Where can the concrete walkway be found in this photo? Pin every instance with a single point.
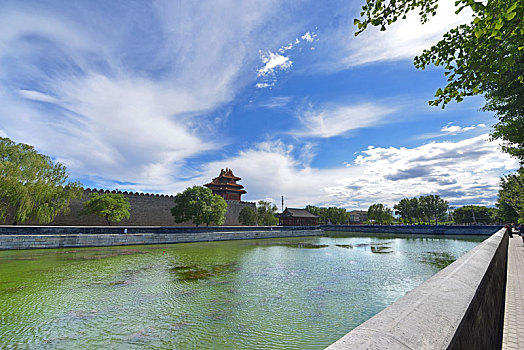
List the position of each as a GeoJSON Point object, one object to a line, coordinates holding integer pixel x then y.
{"type": "Point", "coordinates": [513, 335]}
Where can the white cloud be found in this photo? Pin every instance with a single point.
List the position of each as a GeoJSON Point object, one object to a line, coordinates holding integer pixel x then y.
{"type": "Point", "coordinates": [273, 62]}
{"type": "Point", "coordinates": [335, 121]}
{"type": "Point", "coordinates": [264, 85]}
{"type": "Point", "coordinates": [309, 37]}
{"type": "Point", "coordinates": [464, 172]}
{"type": "Point", "coordinates": [276, 102]}
{"type": "Point", "coordinates": [128, 129]}
{"type": "Point", "coordinates": [405, 38]}
{"type": "Point", "coordinates": [450, 129]}
{"type": "Point", "coordinates": [455, 129]}
{"type": "Point", "coordinates": [286, 48]}
{"type": "Point", "coordinates": [37, 96]}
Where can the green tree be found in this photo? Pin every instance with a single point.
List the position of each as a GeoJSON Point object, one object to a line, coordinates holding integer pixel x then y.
{"type": "Point", "coordinates": [511, 193]}
{"type": "Point", "coordinates": [247, 216]}
{"type": "Point", "coordinates": [199, 205]}
{"type": "Point", "coordinates": [473, 214]}
{"type": "Point", "coordinates": [433, 207]}
{"type": "Point", "coordinates": [114, 207]}
{"type": "Point", "coordinates": [407, 209]}
{"type": "Point", "coordinates": [331, 215]}
{"type": "Point", "coordinates": [266, 213]}
{"type": "Point", "coordinates": [337, 216]}
{"type": "Point", "coordinates": [417, 210]}
{"type": "Point", "coordinates": [320, 211]}
{"type": "Point", "coordinates": [505, 212]}
{"type": "Point", "coordinates": [484, 56]}
{"type": "Point", "coordinates": [216, 213]}
{"type": "Point", "coordinates": [379, 213]}
{"type": "Point", "coordinates": [32, 187]}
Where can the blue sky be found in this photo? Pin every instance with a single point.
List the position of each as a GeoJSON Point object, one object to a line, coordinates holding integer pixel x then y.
{"type": "Point", "coordinates": [158, 96]}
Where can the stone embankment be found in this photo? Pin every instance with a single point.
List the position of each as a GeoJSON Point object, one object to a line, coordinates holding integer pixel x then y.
{"type": "Point", "coordinates": [36, 237]}
{"type": "Point", "coordinates": [33, 237]}
{"type": "Point", "coordinates": [461, 307]}
{"type": "Point", "coordinates": [417, 229]}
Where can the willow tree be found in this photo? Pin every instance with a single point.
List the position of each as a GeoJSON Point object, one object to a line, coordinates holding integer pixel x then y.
{"type": "Point", "coordinates": [484, 56]}
{"type": "Point", "coordinates": [32, 187]}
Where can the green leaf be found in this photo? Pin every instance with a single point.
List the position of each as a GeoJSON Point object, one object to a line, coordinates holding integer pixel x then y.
{"type": "Point", "coordinates": [513, 7]}
{"type": "Point", "coordinates": [510, 16]}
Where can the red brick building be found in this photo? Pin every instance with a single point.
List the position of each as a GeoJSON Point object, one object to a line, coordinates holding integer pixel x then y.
{"type": "Point", "coordinates": [225, 185]}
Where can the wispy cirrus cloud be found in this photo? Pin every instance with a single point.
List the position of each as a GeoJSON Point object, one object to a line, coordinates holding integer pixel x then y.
{"type": "Point", "coordinates": [126, 99]}
{"type": "Point", "coordinates": [334, 121]}
{"type": "Point", "coordinates": [37, 96]}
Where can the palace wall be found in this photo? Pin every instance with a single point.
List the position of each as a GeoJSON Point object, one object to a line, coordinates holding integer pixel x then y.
{"type": "Point", "coordinates": [146, 210]}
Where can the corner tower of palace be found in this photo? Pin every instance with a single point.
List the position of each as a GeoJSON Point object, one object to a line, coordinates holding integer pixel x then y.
{"type": "Point", "coordinates": [225, 185]}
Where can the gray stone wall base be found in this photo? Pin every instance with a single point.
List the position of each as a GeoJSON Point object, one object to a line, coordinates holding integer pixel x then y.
{"type": "Point", "coordinates": [14, 241]}
{"type": "Point", "coordinates": [417, 229]}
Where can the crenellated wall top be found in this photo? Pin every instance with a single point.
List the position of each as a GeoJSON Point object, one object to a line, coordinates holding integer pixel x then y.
{"type": "Point", "coordinates": [129, 193]}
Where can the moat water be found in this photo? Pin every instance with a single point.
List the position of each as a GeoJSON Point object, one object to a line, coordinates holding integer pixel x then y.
{"type": "Point", "coordinates": [299, 293]}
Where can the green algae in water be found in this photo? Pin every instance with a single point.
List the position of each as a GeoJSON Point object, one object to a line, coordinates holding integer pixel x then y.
{"type": "Point", "coordinates": [106, 255]}
{"type": "Point", "coordinates": [439, 259]}
{"type": "Point", "coordinates": [266, 294]}
{"type": "Point", "coordinates": [347, 246]}
{"type": "Point", "coordinates": [194, 272]}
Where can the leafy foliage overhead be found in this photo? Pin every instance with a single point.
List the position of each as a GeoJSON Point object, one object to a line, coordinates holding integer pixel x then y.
{"type": "Point", "coordinates": [485, 56]}
{"type": "Point", "coordinates": [114, 207]}
{"type": "Point", "coordinates": [32, 187]}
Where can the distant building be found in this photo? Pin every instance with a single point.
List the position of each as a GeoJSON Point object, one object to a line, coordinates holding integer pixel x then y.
{"type": "Point", "coordinates": [225, 185]}
{"type": "Point", "coordinates": [297, 217]}
{"type": "Point", "coordinates": [357, 216]}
